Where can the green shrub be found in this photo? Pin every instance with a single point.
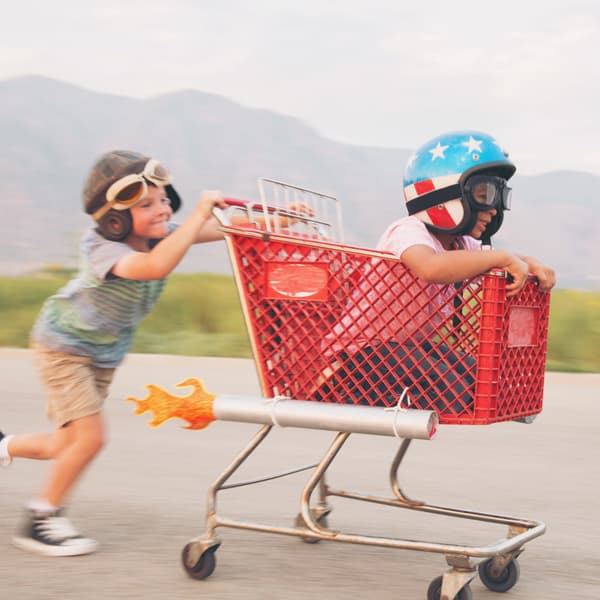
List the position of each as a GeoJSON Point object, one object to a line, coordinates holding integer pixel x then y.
{"type": "Point", "coordinates": [20, 302]}
{"type": "Point", "coordinates": [574, 331]}
{"type": "Point", "coordinates": [200, 315]}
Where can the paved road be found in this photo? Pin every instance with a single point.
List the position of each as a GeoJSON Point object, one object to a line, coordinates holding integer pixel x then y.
{"type": "Point", "coordinates": [144, 498]}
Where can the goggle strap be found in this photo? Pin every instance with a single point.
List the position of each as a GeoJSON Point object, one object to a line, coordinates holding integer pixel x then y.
{"type": "Point", "coordinates": [102, 211]}
{"type": "Point", "coordinates": [433, 198]}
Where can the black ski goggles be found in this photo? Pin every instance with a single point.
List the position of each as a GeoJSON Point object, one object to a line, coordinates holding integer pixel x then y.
{"type": "Point", "coordinates": [485, 192]}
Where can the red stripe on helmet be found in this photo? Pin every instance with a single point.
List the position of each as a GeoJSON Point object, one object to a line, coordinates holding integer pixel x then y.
{"type": "Point", "coordinates": [440, 217]}
{"type": "Point", "coordinates": [422, 187]}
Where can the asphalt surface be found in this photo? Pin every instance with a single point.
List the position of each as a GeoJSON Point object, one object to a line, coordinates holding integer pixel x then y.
{"type": "Point", "coordinates": [144, 498]}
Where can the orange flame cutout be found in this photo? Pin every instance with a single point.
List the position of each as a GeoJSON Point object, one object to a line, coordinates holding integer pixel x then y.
{"type": "Point", "coordinates": [195, 408]}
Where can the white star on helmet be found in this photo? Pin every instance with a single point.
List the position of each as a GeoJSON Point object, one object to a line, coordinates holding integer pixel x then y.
{"type": "Point", "coordinates": [472, 144]}
{"type": "Point", "coordinates": [438, 151]}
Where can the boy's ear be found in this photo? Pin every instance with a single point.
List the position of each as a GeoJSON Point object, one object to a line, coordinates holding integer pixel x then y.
{"type": "Point", "coordinates": [116, 225]}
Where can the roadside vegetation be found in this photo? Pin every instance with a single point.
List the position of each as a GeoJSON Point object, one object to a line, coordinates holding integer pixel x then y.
{"type": "Point", "coordinates": [200, 315]}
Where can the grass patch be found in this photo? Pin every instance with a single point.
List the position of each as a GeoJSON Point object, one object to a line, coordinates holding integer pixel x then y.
{"type": "Point", "coordinates": [574, 331]}
{"type": "Point", "coordinates": [200, 315]}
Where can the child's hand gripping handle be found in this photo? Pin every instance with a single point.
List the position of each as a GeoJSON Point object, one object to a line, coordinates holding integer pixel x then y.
{"type": "Point", "coordinates": [285, 215]}
{"type": "Point", "coordinates": [220, 212]}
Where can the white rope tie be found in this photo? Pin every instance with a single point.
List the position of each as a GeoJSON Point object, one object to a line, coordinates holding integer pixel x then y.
{"type": "Point", "coordinates": [397, 409]}
{"type": "Point", "coordinates": [273, 402]}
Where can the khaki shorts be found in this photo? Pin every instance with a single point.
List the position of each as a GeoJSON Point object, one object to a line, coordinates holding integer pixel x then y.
{"type": "Point", "coordinates": [75, 387]}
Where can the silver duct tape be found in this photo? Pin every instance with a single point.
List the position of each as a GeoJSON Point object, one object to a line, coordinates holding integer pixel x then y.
{"type": "Point", "coordinates": [285, 412]}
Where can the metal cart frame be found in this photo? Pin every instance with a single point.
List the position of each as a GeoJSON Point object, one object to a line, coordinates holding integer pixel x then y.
{"type": "Point", "coordinates": [496, 562]}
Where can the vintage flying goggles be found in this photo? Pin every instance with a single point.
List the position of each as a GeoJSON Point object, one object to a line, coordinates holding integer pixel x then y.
{"type": "Point", "coordinates": [130, 189]}
{"type": "Point", "coordinates": [485, 192]}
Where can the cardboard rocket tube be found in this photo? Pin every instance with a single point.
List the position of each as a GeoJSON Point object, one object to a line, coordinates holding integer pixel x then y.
{"type": "Point", "coordinates": [286, 412]}
{"type": "Point", "coordinates": [199, 408]}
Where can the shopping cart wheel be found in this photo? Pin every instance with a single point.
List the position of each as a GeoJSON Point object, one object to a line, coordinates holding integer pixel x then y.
{"type": "Point", "coordinates": [203, 567]}
{"type": "Point", "coordinates": [434, 591]}
{"type": "Point", "coordinates": [502, 581]}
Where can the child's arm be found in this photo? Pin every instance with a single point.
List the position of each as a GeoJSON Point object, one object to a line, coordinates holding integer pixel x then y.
{"type": "Point", "coordinates": [164, 257]}
{"type": "Point", "coordinates": [199, 227]}
{"type": "Point", "coordinates": [458, 265]}
{"type": "Point", "coordinates": [211, 230]}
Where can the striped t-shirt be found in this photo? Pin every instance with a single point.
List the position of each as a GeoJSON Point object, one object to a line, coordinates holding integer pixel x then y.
{"type": "Point", "coordinates": [96, 314]}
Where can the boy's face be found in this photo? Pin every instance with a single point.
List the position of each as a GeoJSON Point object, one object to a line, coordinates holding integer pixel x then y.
{"type": "Point", "coordinates": [151, 214]}
{"type": "Point", "coordinates": [484, 218]}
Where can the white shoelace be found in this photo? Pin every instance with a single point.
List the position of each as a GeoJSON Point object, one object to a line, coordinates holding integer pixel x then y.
{"type": "Point", "coordinates": [57, 528]}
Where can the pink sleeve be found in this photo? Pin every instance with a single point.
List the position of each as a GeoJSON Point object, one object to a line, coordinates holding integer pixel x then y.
{"type": "Point", "coordinates": [405, 233]}
{"type": "Point", "coordinates": [471, 243]}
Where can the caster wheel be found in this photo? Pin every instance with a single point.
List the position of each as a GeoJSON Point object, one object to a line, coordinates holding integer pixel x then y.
{"type": "Point", "coordinates": [434, 591]}
{"type": "Point", "coordinates": [203, 567]}
{"type": "Point", "coordinates": [501, 582]}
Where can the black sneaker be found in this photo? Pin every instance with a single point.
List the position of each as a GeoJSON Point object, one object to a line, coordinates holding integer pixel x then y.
{"type": "Point", "coordinates": [51, 534]}
{"type": "Point", "coordinates": [4, 462]}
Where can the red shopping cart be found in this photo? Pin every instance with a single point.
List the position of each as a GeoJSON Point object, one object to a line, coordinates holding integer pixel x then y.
{"type": "Point", "coordinates": [319, 313]}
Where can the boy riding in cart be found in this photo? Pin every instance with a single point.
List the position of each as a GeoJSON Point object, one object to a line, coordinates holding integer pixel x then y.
{"type": "Point", "coordinates": [456, 191]}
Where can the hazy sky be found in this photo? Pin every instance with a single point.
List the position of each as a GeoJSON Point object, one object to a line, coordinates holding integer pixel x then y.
{"type": "Point", "coordinates": [378, 72]}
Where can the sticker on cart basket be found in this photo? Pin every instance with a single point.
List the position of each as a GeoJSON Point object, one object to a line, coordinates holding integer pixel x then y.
{"type": "Point", "coordinates": [297, 281]}
{"type": "Point", "coordinates": [523, 326]}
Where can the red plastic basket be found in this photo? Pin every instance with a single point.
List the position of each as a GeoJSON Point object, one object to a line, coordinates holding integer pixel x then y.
{"type": "Point", "coordinates": [335, 323]}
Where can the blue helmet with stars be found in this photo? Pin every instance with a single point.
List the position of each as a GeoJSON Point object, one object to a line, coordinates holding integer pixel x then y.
{"type": "Point", "coordinates": [436, 181]}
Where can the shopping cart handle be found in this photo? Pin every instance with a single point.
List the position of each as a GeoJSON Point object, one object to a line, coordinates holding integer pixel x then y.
{"type": "Point", "coordinates": [221, 214]}
{"type": "Point", "coordinates": [280, 214]}
{"type": "Point", "coordinates": [253, 205]}
{"type": "Point", "coordinates": [237, 202]}
{"type": "Point", "coordinates": [249, 206]}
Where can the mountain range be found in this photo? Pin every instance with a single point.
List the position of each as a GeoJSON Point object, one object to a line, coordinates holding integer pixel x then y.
{"type": "Point", "coordinates": [53, 131]}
